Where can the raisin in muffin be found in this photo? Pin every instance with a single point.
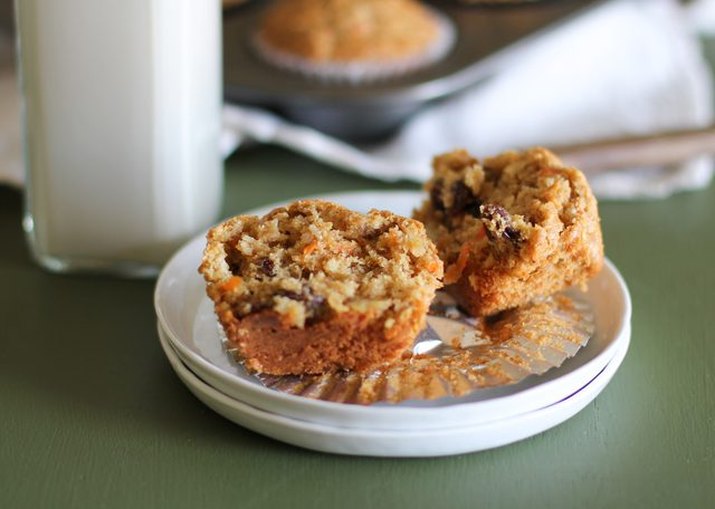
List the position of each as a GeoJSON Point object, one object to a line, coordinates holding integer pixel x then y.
{"type": "Point", "coordinates": [517, 226]}
{"type": "Point", "coordinates": [314, 287]}
{"type": "Point", "coordinates": [352, 40]}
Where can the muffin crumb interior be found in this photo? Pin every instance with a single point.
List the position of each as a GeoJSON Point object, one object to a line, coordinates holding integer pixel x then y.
{"type": "Point", "coordinates": [314, 259]}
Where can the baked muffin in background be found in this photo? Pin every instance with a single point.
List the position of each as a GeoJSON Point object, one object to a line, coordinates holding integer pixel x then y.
{"type": "Point", "coordinates": [314, 287]}
{"type": "Point", "coordinates": [517, 226]}
{"type": "Point", "coordinates": [352, 40]}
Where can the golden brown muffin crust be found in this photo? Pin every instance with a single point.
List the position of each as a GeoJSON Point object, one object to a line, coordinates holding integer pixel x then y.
{"type": "Point", "coordinates": [348, 30]}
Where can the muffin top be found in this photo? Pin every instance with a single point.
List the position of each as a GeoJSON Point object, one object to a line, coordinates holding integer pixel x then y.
{"type": "Point", "coordinates": [348, 30]}
{"type": "Point", "coordinates": [313, 258]}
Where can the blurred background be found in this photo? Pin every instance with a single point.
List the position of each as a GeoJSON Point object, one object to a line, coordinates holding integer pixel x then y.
{"type": "Point", "coordinates": [553, 72]}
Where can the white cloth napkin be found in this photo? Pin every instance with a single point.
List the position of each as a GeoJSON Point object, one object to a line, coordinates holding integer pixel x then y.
{"type": "Point", "coordinates": [629, 67]}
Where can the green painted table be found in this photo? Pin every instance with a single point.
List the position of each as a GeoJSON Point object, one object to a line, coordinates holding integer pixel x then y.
{"type": "Point", "coordinates": [91, 414]}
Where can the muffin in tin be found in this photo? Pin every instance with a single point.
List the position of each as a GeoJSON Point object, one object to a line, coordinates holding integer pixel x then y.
{"type": "Point", "coordinates": [345, 40]}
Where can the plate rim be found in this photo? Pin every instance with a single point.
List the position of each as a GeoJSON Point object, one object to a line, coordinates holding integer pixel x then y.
{"type": "Point", "coordinates": [370, 442]}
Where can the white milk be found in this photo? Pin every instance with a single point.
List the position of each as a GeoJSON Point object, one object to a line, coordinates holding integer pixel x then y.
{"type": "Point", "coordinates": [122, 112]}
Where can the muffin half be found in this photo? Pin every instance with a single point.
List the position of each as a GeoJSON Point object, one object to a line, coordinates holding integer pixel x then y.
{"type": "Point", "coordinates": [517, 226]}
{"type": "Point", "coordinates": [314, 287]}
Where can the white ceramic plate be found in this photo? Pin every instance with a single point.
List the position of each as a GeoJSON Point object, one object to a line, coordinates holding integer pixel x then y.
{"type": "Point", "coordinates": [186, 315]}
{"type": "Point", "coordinates": [394, 443]}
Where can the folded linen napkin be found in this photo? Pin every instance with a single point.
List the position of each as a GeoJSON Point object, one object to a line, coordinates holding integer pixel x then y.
{"type": "Point", "coordinates": [629, 67]}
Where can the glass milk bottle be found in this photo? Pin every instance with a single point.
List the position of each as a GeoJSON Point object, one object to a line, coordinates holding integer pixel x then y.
{"type": "Point", "coordinates": [122, 108]}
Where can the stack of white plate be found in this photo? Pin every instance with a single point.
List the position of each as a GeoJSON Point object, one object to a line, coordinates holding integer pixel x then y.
{"type": "Point", "coordinates": [484, 419]}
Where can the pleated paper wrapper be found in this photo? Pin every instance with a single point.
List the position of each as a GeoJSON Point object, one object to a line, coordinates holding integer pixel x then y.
{"type": "Point", "coordinates": [456, 355]}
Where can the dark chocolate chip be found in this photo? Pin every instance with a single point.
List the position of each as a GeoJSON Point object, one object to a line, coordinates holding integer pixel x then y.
{"type": "Point", "coordinates": [464, 201]}
{"type": "Point", "coordinates": [462, 196]}
{"type": "Point", "coordinates": [474, 209]}
{"type": "Point", "coordinates": [436, 195]}
{"type": "Point", "coordinates": [314, 303]}
{"type": "Point", "coordinates": [267, 267]}
{"type": "Point", "coordinates": [498, 223]}
{"type": "Point", "coordinates": [512, 234]}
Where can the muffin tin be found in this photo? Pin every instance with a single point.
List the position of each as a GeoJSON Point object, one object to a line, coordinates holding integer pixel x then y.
{"type": "Point", "coordinates": [486, 36]}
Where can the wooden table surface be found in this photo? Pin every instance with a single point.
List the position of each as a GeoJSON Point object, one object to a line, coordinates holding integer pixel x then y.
{"type": "Point", "coordinates": [91, 414]}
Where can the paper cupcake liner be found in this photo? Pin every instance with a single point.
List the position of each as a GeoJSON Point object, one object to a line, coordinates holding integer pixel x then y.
{"type": "Point", "coordinates": [356, 73]}
{"type": "Point", "coordinates": [456, 355]}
